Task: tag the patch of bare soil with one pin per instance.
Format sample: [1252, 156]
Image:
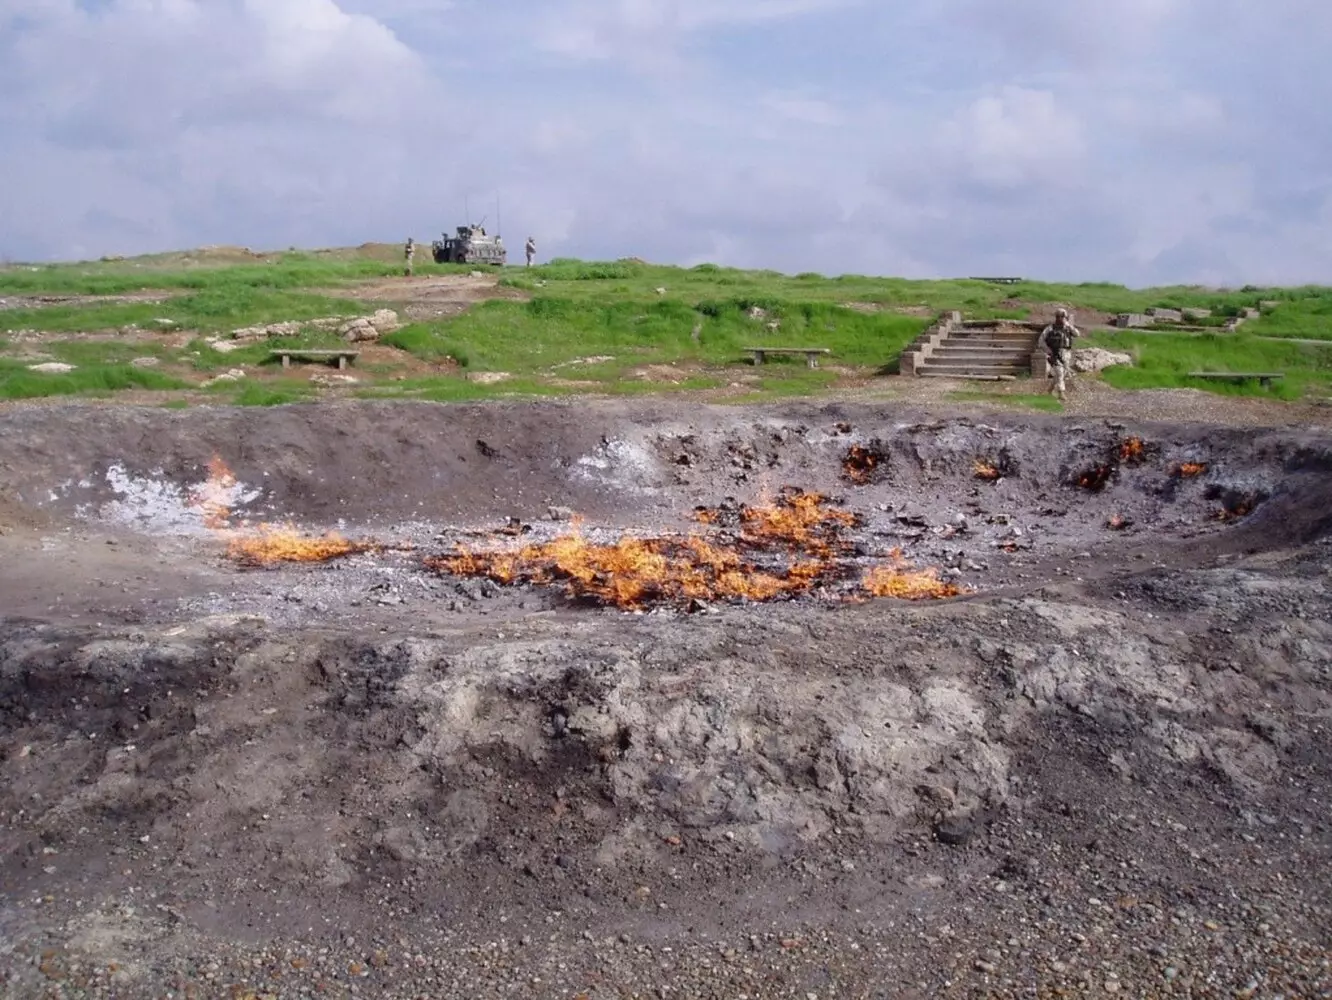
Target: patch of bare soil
[429, 296]
[43, 301]
[1101, 769]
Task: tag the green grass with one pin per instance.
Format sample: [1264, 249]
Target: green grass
[1164, 361]
[171, 272]
[527, 337]
[209, 311]
[699, 319]
[17, 382]
[1306, 319]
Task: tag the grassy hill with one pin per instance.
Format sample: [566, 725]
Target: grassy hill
[574, 326]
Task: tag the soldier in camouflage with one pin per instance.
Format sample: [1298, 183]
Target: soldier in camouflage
[530, 250]
[409, 252]
[1057, 339]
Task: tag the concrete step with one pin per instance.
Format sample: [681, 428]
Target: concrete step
[962, 358]
[983, 350]
[998, 338]
[931, 368]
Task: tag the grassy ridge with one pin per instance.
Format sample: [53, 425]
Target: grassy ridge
[691, 323]
[503, 335]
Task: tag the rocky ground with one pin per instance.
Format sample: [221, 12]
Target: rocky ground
[1104, 770]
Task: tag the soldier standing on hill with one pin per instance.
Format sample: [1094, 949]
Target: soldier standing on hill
[1057, 339]
[409, 252]
[530, 250]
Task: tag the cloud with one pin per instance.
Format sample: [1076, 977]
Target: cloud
[1145, 140]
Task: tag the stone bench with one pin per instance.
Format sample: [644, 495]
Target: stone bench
[1264, 378]
[344, 358]
[811, 353]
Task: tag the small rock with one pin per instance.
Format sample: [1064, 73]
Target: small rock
[145, 362]
[51, 368]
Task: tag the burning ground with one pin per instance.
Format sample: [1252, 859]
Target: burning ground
[546, 701]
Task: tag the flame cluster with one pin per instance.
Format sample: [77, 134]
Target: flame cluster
[761, 553]
[1187, 470]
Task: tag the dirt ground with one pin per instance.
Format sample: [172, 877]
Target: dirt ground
[1103, 769]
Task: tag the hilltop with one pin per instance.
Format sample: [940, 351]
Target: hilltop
[160, 329]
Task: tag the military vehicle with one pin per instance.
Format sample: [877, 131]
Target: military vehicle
[470, 246]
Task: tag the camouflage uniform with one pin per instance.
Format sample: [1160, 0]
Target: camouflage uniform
[531, 250]
[1057, 339]
[409, 252]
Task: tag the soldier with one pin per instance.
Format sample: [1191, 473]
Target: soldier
[530, 249]
[1057, 339]
[409, 252]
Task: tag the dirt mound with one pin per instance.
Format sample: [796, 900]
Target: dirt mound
[366, 763]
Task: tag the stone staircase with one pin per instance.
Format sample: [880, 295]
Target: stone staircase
[989, 350]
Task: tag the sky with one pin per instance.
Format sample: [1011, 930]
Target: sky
[1134, 141]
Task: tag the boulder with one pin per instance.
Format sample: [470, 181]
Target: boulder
[1129, 320]
[234, 375]
[1093, 359]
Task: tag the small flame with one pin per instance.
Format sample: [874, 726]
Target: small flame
[213, 496]
[1117, 522]
[985, 470]
[901, 580]
[860, 464]
[1132, 451]
[271, 544]
[1187, 470]
[1095, 478]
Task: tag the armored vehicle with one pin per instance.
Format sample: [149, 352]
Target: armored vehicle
[470, 246]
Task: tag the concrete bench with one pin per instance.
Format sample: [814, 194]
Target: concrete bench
[1264, 378]
[344, 358]
[811, 353]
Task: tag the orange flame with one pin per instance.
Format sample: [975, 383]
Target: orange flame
[1187, 470]
[1096, 477]
[633, 572]
[985, 470]
[211, 496]
[1117, 522]
[271, 545]
[1131, 450]
[902, 581]
[860, 463]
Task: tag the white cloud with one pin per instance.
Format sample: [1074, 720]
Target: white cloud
[1140, 140]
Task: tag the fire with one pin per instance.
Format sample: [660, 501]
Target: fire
[1095, 478]
[900, 580]
[798, 520]
[1187, 470]
[1117, 522]
[861, 464]
[792, 543]
[985, 470]
[270, 545]
[213, 496]
[1132, 451]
